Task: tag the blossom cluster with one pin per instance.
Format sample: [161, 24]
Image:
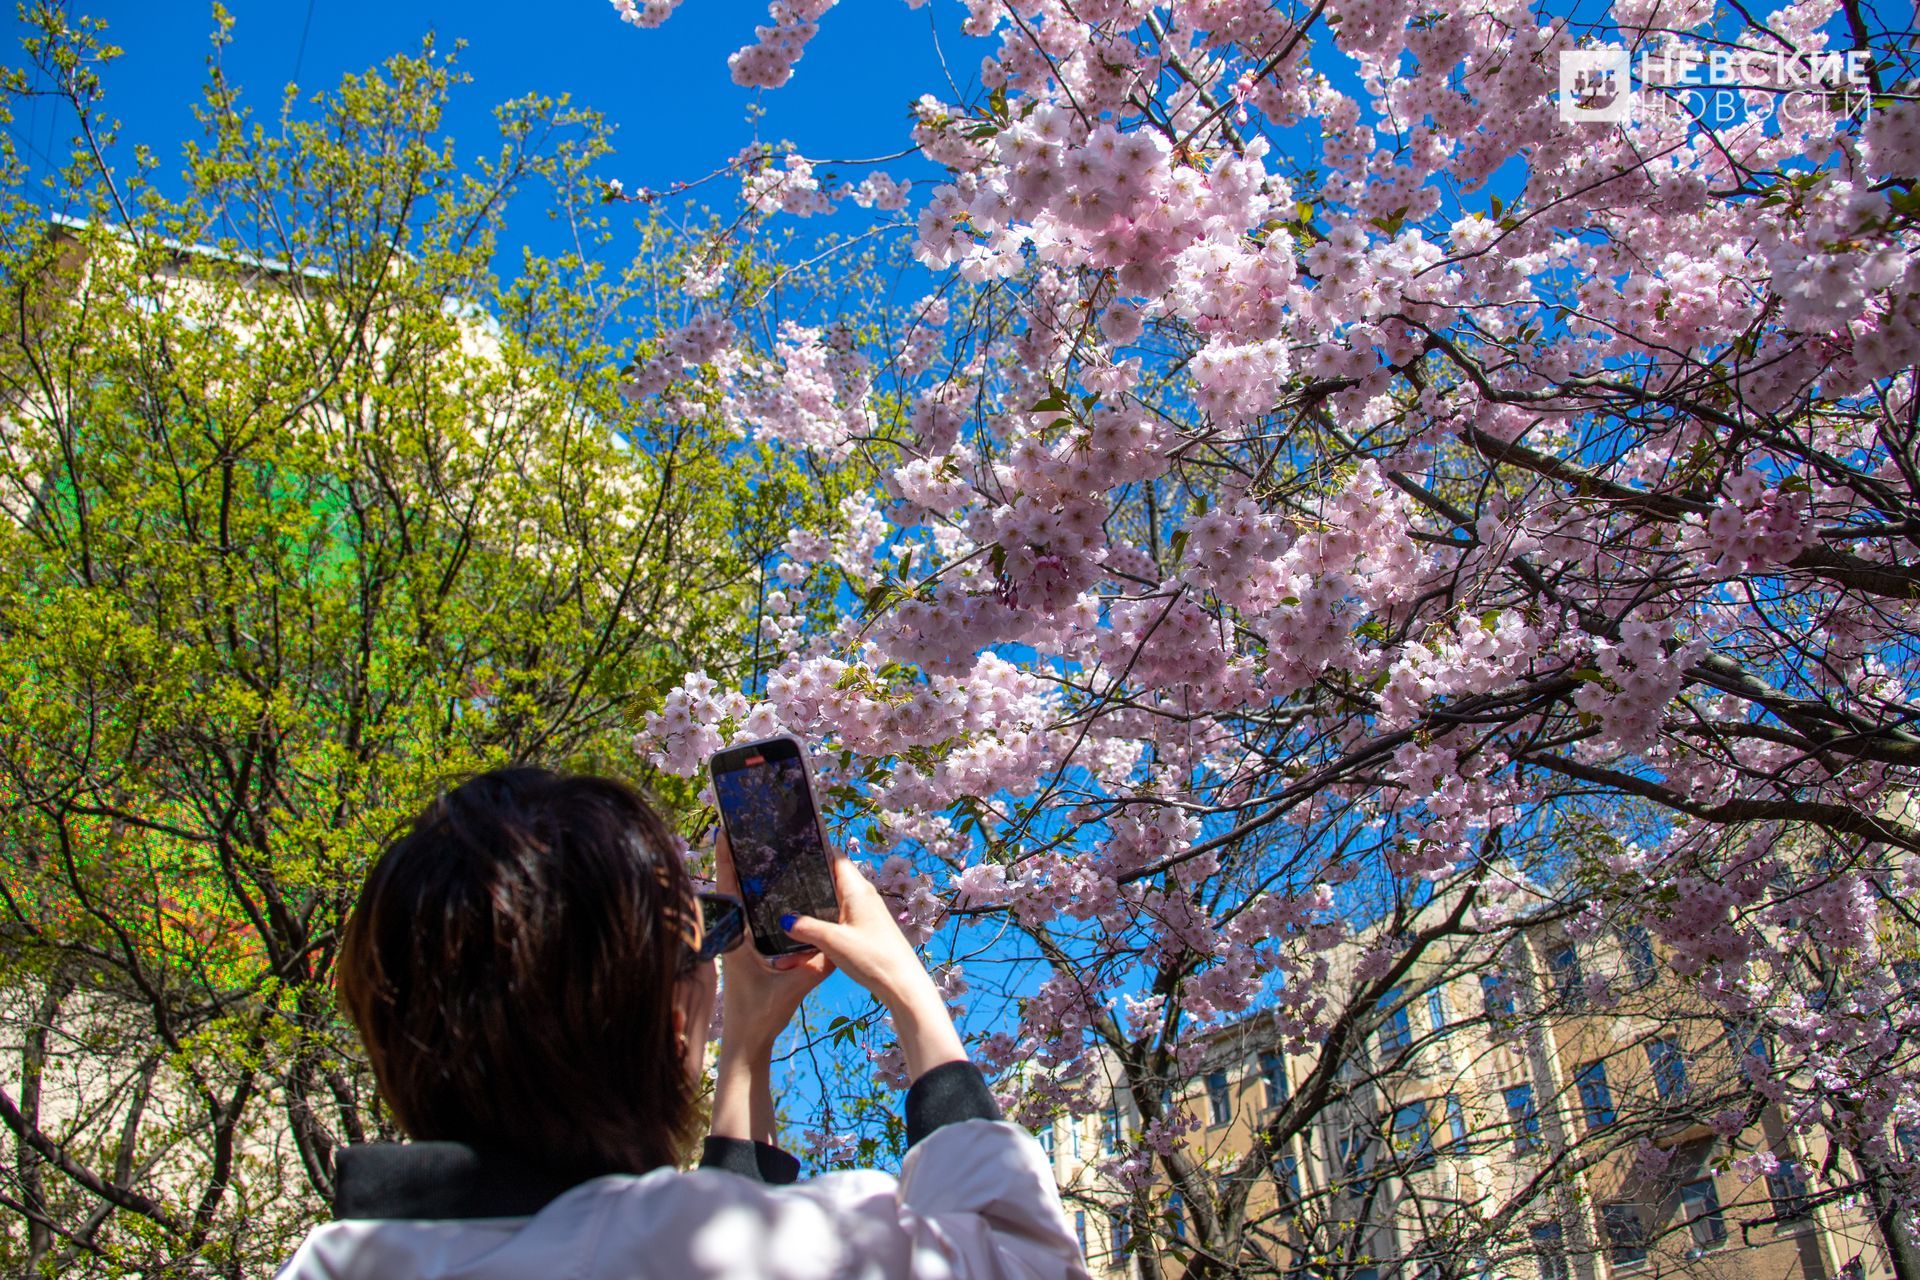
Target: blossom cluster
[645, 13]
[812, 394]
[768, 62]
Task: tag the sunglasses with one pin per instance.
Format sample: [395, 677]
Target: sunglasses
[723, 925]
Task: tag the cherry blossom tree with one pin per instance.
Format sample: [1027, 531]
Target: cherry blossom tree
[1315, 461]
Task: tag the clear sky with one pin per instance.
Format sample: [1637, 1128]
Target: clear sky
[668, 89]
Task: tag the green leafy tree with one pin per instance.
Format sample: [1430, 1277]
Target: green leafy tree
[304, 512]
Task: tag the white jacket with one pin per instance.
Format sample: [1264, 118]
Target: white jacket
[974, 1200]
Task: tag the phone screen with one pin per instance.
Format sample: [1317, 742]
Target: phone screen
[773, 829]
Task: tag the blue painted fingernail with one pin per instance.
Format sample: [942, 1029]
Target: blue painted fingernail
[786, 921]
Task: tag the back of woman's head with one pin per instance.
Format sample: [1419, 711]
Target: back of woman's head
[511, 968]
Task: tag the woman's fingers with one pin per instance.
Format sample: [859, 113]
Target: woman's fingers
[816, 963]
[821, 934]
[724, 878]
[852, 885]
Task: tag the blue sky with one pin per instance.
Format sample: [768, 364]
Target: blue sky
[679, 113]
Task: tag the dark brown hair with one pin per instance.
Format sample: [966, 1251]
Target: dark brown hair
[511, 967]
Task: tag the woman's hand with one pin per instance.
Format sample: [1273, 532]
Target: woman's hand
[758, 998]
[867, 945]
[759, 994]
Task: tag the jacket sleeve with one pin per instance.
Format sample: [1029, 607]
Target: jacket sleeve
[946, 1095]
[759, 1161]
[953, 1092]
[975, 1199]
[978, 1202]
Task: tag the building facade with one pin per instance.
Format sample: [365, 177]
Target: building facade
[1564, 1112]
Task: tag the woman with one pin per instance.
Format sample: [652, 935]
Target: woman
[531, 973]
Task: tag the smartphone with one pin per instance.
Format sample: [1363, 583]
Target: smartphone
[765, 794]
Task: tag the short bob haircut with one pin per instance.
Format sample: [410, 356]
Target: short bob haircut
[511, 967]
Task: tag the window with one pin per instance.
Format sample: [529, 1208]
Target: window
[1907, 974]
[1396, 1033]
[1080, 1229]
[1522, 1116]
[1286, 1178]
[1549, 1250]
[1669, 1068]
[1177, 1216]
[1700, 1206]
[1596, 1099]
[1787, 1188]
[1907, 1138]
[1351, 1150]
[1273, 1074]
[1219, 1105]
[1437, 1010]
[1122, 1234]
[1626, 1234]
[1746, 1040]
[1046, 1137]
[1456, 1122]
[1073, 1127]
[1412, 1139]
[1568, 984]
[1114, 1131]
[1638, 944]
[1496, 995]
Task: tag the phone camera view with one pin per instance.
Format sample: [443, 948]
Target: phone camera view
[777, 851]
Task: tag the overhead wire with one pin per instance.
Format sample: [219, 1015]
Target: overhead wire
[300, 55]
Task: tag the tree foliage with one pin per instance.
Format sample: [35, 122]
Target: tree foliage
[306, 513]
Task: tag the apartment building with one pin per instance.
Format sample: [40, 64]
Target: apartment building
[1561, 1111]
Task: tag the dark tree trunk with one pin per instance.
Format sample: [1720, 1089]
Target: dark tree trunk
[27, 1161]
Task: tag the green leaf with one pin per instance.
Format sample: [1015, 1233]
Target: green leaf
[1392, 222]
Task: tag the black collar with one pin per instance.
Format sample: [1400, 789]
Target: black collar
[441, 1180]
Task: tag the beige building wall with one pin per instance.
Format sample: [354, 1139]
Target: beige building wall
[1566, 1183]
